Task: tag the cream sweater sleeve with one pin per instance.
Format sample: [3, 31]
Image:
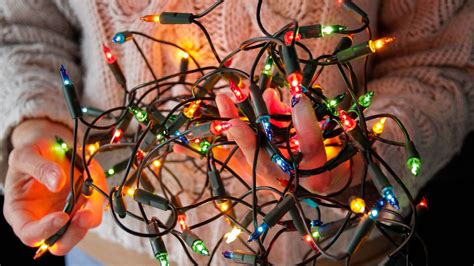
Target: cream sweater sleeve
[35, 38]
[426, 80]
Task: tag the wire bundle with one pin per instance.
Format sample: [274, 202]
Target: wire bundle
[194, 123]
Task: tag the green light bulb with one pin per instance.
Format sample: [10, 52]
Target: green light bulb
[199, 247]
[163, 259]
[140, 115]
[267, 68]
[110, 172]
[326, 30]
[366, 99]
[315, 234]
[204, 145]
[414, 165]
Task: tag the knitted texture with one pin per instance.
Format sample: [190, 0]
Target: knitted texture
[425, 78]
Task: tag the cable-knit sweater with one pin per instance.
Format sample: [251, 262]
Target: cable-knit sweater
[425, 78]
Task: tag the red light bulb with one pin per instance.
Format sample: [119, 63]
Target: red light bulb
[423, 203]
[108, 55]
[182, 221]
[289, 35]
[237, 90]
[217, 127]
[116, 136]
[347, 121]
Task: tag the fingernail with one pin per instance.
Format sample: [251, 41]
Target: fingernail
[60, 221]
[52, 181]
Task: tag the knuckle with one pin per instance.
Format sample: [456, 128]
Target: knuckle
[15, 156]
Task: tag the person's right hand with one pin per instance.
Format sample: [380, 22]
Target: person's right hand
[37, 185]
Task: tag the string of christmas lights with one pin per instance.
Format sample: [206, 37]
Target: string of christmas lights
[194, 123]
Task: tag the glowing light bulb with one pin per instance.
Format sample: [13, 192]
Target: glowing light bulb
[191, 109]
[108, 55]
[333, 103]
[366, 99]
[423, 203]
[262, 228]
[92, 148]
[327, 30]
[204, 145]
[284, 166]
[140, 154]
[130, 191]
[357, 205]
[238, 91]
[110, 172]
[378, 127]
[151, 18]
[156, 164]
[375, 212]
[64, 76]
[182, 221]
[122, 37]
[267, 127]
[414, 165]
[224, 206]
[183, 55]
[347, 121]
[380, 43]
[294, 143]
[296, 89]
[200, 248]
[289, 35]
[217, 127]
[232, 235]
[140, 115]
[41, 250]
[267, 67]
[389, 196]
[162, 259]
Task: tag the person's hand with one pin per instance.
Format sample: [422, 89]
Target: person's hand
[37, 185]
[310, 143]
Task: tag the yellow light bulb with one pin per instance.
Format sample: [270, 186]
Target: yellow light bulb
[378, 127]
[92, 148]
[380, 43]
[232, 235]
[357, 205]
[224, 206]
[156, 163]
[130, 191]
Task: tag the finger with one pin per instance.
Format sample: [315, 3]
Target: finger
[27, 160]
[274, 104]
[226, 106]
[31, 230]
[95, 202]
[311, 144]
[309, 134]
[247, 142]
[75, 233]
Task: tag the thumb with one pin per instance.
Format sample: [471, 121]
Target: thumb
[29, 161]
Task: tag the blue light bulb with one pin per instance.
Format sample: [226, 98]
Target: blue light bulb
[64, 75]
[227, 254]
[119, 38]
[284, 166]
[390, 197]
[374, 213]
[260, 230]
[182, 138]
[267, 127]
